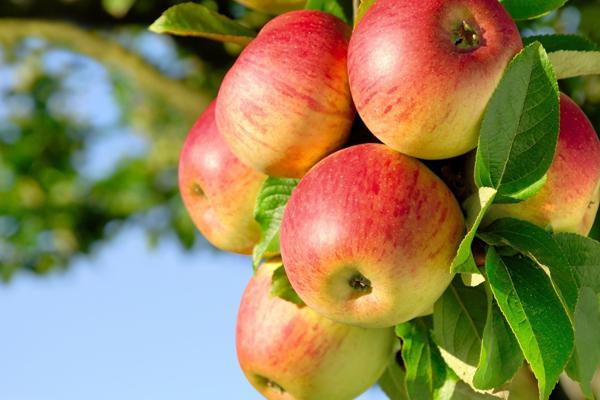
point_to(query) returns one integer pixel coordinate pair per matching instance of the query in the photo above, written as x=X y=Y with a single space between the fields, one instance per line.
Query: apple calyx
x=466 y=37
x=270 y=384
x=360 y=283
x=197 y=190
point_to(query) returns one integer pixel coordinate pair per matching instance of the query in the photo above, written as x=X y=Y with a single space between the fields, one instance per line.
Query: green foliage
x=340 y=8
x=281 y=287
x=500 y=355
x=535 y=314
x=190 y=19
x=393 y=382
x=519 y=131
x=476 y=206
x=519 y=9
x=268 y=212
x=425 y=368
x=51 y=211
x=554 y=43
x=458 y=321
x=586 y=357
x=541 y=247
x=570 y=55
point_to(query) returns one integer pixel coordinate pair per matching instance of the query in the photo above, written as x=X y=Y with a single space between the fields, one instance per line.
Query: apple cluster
x=369 y=233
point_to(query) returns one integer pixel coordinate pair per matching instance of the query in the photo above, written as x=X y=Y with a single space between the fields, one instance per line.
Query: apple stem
x=465 y=37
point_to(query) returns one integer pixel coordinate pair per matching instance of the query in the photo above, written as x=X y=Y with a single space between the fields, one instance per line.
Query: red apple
x=368 y=236
x=289 y=352
x=217 y=189
x=568 y=201
x=422 y=72
x=285 y=103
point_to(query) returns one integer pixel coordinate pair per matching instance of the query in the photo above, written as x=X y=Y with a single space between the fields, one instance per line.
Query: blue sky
x=129 y=323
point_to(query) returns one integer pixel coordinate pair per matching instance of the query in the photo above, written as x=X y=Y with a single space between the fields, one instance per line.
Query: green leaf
x=281 y=287
x=519 y=131
x=455 y=389
x=554 y=43
x=570 y=55
x=425 y=368
x=117 y=8
x=583 y=257
x=268 y=212
x=535 y=314
x=189 y=19
x=392 y=382
x=362 y=9
x=529 y=9
x=568 y=64
x=458 y=320
x=339 y=8
x=476 y=206
x=540 y=246
x=500 y=356
x=586 y=357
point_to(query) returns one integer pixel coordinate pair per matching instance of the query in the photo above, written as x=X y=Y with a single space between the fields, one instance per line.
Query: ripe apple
x=568 y=201
x=285 y=103
x=422 y=72
x=290 y=352
x=218 y=190
x=368 y=236
x=273 y=6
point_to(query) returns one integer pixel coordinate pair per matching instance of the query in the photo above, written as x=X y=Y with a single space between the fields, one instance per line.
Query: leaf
x=583 y=257
x=554 y=43
x=117 y=8
x=268 y=212
x=570 y=55
x=362 y=9
x=519 y=131
x=458 y=320
x=539 y=245
x=568 y=64
x=392 y=382
x=586 y=357
x=535 y=314
x=190 y=19
x=281 y=287
x=477 y=206
x=339 y=8
x=519 y=9
x=500 y=356
x=425 y=368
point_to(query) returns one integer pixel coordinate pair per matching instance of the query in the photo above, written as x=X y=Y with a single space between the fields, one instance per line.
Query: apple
x=290 y=352
x=569 y=199
x=286 y=103
x=368 y=236
x=422 y=72
x=217 y=189
x=273 y=6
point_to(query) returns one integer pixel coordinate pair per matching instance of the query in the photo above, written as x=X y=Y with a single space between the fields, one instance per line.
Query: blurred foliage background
x=94 y=109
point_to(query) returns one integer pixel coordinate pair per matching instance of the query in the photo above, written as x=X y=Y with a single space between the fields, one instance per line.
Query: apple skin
x=217 y=189
x=415 y=90
x=273 y=6
x=309 y=356
x=569 y=199
x=372 y=212
x=286 y=103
